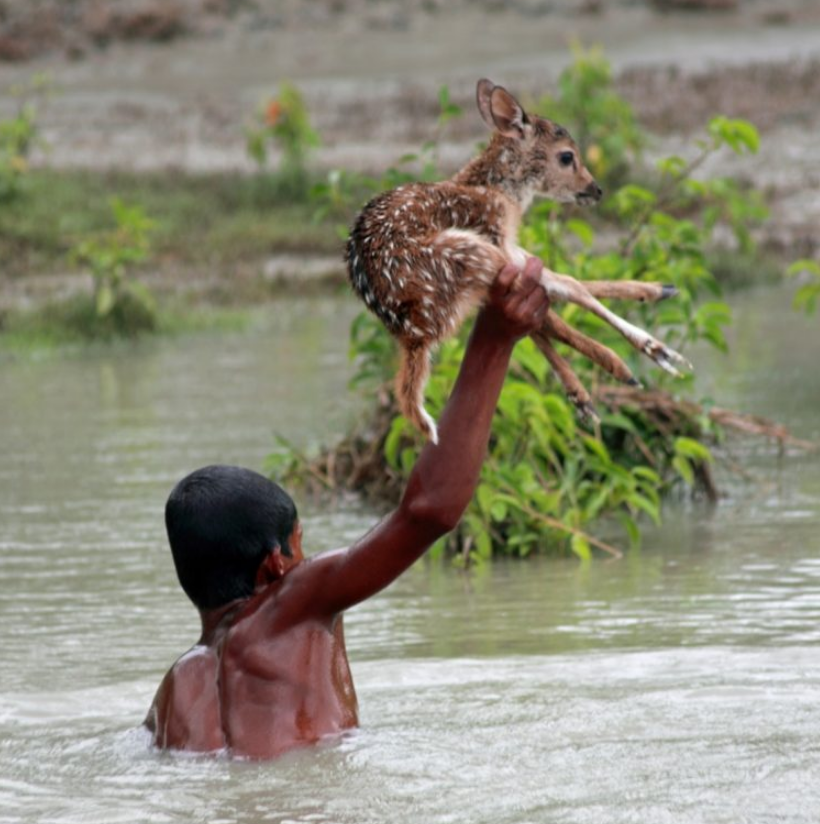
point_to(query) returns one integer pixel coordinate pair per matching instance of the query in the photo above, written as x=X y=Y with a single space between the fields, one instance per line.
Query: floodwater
x=681 y=683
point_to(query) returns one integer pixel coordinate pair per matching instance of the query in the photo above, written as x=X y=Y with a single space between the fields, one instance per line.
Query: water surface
x=681 y=683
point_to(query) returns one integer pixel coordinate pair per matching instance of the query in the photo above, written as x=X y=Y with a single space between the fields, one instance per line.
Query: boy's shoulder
x=186 y=712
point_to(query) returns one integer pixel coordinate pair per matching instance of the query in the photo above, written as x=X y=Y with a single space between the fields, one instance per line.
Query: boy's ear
x=272 y=567
x=500 y=110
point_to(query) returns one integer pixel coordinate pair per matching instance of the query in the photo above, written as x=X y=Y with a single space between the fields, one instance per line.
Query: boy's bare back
x=265 y=678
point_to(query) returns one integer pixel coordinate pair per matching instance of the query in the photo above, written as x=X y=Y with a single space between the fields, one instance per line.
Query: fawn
x=423 y=255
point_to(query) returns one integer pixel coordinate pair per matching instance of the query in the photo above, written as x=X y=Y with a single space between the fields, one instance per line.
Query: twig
x=662 y=404
x=663 y=198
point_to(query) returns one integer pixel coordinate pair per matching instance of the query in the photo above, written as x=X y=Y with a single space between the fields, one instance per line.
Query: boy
x=270 y=671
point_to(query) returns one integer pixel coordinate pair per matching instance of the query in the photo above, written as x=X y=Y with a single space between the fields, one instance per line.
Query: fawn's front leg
x=575 y=390
x=556 y=327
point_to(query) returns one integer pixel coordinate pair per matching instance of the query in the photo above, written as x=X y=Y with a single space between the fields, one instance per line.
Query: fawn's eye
x=566 y=158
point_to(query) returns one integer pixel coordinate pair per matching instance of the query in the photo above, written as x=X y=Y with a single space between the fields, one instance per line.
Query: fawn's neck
x=499 y=167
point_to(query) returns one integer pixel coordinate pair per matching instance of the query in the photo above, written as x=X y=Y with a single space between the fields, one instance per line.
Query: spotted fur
x=422 y=255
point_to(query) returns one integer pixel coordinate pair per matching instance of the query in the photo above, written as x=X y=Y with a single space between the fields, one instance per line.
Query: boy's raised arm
x=445 y=476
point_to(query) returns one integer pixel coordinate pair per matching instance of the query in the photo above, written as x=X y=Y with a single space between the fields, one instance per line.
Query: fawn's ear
x=483 y=93
x=500 y=109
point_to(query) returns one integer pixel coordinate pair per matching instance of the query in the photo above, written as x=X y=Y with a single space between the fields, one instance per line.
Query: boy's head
x=222 y=522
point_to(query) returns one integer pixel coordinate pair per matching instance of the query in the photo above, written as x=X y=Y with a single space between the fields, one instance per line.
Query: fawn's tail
x=414 y=370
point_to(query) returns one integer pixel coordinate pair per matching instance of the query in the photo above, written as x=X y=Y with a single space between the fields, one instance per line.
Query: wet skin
x=270 y=672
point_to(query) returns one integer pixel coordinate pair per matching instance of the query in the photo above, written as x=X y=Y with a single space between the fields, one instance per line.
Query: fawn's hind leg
x=639 y=290
x=565 y=288
x=414 y=369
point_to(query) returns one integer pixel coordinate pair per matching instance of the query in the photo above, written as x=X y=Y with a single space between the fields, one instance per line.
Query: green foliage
x=284 y=122
x=343 y=191
x=547 y=480
x=601 y=121
x=215 y=220
x=808 y=292
x=18 y=136
x=121 y=304
x=63 y=323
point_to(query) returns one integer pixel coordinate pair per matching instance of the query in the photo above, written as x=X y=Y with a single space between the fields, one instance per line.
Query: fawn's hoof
x=584 y=408
x=666 y=358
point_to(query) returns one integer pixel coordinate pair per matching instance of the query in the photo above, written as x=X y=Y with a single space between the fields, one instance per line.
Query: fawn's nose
x=594 y=191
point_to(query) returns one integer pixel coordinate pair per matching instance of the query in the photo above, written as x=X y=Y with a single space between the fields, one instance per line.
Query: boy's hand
x=517 y=302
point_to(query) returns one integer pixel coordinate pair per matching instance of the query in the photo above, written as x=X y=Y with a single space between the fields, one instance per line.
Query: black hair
x=222 y=521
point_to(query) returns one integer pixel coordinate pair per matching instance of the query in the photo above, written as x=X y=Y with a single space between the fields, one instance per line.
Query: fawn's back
x=421 y=255
x=416 y=254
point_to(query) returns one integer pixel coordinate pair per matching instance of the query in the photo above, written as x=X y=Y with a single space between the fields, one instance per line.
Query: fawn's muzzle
x=592 y=193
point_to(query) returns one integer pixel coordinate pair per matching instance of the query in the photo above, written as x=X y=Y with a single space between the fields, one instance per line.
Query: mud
x=370 y=72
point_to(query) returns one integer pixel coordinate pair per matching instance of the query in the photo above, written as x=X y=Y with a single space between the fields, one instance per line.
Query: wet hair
x=222 y=521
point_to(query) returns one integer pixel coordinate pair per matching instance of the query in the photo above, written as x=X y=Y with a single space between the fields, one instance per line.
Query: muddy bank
x=372 y=86
x=34 y=28
x=372 y=90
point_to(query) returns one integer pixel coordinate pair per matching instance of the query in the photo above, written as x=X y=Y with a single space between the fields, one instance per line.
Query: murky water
x=679 y=684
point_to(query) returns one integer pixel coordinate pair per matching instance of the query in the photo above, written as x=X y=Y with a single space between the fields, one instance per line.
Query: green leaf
x=408 y=459
x=738 y=134
x=672 y=165
x=394 y=440
x=498 y=511
x=647 y=506
x=582 y=230
x=484 y=496
x=105 y=300
x=684 y=469
x=580 y=546
x=597 y=447
x=631 y=528
x=803 y=265
x=647 y=474
x=806 y=297
x=483 y=543
x=691 y=448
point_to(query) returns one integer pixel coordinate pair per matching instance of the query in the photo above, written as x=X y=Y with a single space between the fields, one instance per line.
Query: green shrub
x=601 y=121
x=284 y=122
x=121 y=304
x=18 y=136
x=547 y=480
x=807 y=295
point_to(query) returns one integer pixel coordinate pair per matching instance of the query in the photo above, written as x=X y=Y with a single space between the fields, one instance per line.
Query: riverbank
x=171 y=117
